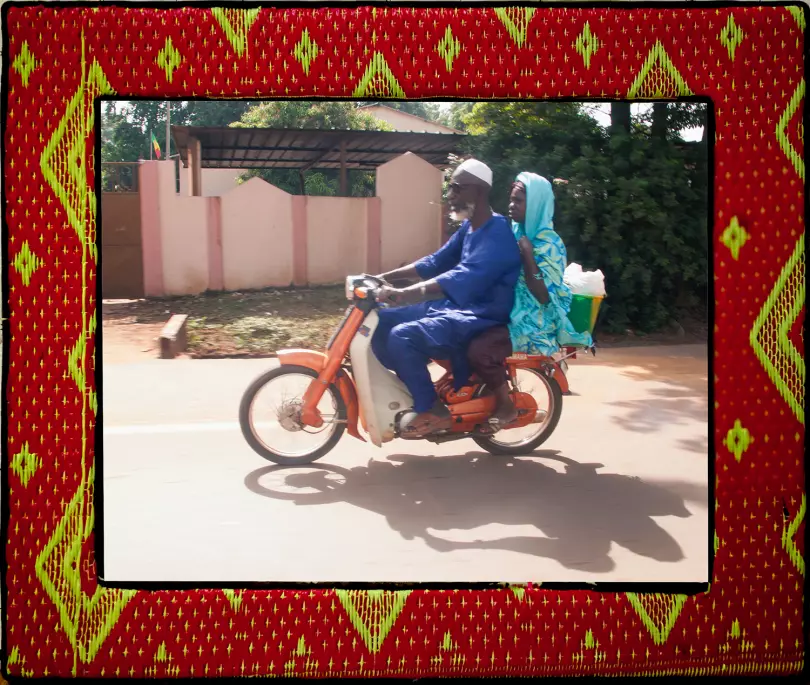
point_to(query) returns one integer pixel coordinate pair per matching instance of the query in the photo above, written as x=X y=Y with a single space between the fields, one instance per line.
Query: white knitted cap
x=477 y=169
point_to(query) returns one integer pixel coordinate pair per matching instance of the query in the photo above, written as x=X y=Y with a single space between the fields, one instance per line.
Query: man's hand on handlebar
x=387 y=294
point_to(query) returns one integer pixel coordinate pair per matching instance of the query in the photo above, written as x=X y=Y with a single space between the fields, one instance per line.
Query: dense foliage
x=630 y=203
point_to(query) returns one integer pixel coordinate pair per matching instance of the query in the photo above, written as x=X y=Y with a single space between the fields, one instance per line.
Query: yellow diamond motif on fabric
x=306 y=50
x=519 y=591
x=373 y=613
x=781 y=134
x=589 y=644
x=770 y=335
x=25 y=464
x=26 y=263
x=516 y=20
x=234 y=597
x=734 y=237
x=87 y=621
x=731 y=36
x=378 y=80
x=449 y=47
x=169 y=59
x=236 y=24
x=24 y=63
x=658 y=77
x=587 y=44
x=738 y=440
x=658 y=613
x=302 y=656
x=788 y=543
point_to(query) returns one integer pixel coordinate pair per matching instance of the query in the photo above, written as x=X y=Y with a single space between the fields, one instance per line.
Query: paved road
x=619 y=493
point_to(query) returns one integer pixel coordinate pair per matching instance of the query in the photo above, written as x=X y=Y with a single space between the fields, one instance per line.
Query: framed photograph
x=594 y=213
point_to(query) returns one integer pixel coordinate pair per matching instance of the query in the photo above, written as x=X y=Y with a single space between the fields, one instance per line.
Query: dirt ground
x=256 y=324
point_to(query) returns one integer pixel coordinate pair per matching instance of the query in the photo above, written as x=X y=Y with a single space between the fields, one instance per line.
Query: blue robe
x=477 y=272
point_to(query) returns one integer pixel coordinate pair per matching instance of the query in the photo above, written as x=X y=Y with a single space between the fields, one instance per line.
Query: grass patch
x=259 y=323
x=251 y=324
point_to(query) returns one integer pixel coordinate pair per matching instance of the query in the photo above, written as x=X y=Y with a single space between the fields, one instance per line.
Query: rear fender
x=560 y=378
x=316 y=361
x=541 y=364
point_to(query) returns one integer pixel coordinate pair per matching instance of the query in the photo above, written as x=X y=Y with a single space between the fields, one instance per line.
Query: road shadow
x=578 y=513
x=671 y=388
x=660 y=407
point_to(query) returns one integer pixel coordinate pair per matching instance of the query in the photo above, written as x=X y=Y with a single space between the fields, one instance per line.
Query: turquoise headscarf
x=539 y=207
x=541 y=328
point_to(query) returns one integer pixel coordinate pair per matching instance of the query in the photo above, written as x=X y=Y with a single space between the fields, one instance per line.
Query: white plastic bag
x=588 y=283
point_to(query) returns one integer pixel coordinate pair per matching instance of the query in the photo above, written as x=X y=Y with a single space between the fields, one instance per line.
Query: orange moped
x=345 y=389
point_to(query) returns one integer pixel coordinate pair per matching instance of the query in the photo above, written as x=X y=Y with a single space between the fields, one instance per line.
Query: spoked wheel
x=524 y=440
x=269 y=416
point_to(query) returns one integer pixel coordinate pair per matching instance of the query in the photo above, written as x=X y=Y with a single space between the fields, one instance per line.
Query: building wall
x=402 y=121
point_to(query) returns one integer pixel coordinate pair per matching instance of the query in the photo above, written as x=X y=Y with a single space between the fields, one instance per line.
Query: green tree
x=125 y=126
x=426 y=110
x=544 y=137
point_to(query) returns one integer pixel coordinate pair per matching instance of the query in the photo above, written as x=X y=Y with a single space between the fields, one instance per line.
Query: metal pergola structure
x=304 y=149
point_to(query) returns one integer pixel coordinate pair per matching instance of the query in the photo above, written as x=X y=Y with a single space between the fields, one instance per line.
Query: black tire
x=259 y=447
x=493 y=447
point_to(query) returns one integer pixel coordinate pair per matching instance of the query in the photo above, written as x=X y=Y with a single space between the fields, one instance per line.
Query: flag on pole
x=155 y=145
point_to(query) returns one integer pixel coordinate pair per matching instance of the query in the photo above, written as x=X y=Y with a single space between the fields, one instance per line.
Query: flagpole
x=168 y=128
x=151 y=147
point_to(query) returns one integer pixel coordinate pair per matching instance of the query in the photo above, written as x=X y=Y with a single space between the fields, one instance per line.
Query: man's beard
x=462 y=213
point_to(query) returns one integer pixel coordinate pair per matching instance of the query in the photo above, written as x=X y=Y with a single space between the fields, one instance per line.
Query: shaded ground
x=257 y=323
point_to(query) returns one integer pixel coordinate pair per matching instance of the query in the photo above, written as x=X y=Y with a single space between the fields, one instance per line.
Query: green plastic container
x=583 y=312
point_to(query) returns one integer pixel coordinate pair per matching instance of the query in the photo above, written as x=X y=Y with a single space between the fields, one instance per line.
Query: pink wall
x=257 y=249
x=410 y=190
x=174 y=232
x=336 y=238
x=257 y=236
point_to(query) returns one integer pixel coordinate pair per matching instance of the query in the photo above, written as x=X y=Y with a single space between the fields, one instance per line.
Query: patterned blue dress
x=537 y=328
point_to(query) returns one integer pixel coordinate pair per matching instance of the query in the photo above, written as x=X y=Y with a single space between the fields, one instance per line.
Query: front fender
x=308 y=358
x=311 y=359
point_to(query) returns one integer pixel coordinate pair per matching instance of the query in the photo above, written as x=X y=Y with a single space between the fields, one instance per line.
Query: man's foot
x=415 y=426
x=505 y=413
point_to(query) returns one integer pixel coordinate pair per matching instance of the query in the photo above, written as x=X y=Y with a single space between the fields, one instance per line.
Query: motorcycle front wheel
x=516 y=442
x=273 y=428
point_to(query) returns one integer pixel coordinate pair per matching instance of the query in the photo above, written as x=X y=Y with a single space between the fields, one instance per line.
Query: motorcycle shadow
x=578 y=513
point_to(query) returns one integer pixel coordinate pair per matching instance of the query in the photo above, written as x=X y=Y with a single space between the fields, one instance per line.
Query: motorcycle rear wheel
x=336 y=423
x=493 y=445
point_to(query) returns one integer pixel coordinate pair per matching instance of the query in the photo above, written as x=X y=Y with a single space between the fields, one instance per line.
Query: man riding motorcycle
x=467 y=286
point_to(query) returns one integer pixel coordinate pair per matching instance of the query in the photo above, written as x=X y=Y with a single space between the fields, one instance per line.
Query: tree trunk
x=659 y=121
x=619 y=117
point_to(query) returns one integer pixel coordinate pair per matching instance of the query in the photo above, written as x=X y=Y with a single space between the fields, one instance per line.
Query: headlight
x=350 y=287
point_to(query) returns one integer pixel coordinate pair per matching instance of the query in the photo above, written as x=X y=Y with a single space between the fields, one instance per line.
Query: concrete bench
x=174 y=337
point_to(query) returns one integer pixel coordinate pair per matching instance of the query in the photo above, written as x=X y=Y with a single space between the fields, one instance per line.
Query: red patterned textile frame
x=749 y=59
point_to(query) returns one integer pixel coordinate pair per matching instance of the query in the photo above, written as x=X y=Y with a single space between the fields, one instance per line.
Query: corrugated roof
x=269 y=148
